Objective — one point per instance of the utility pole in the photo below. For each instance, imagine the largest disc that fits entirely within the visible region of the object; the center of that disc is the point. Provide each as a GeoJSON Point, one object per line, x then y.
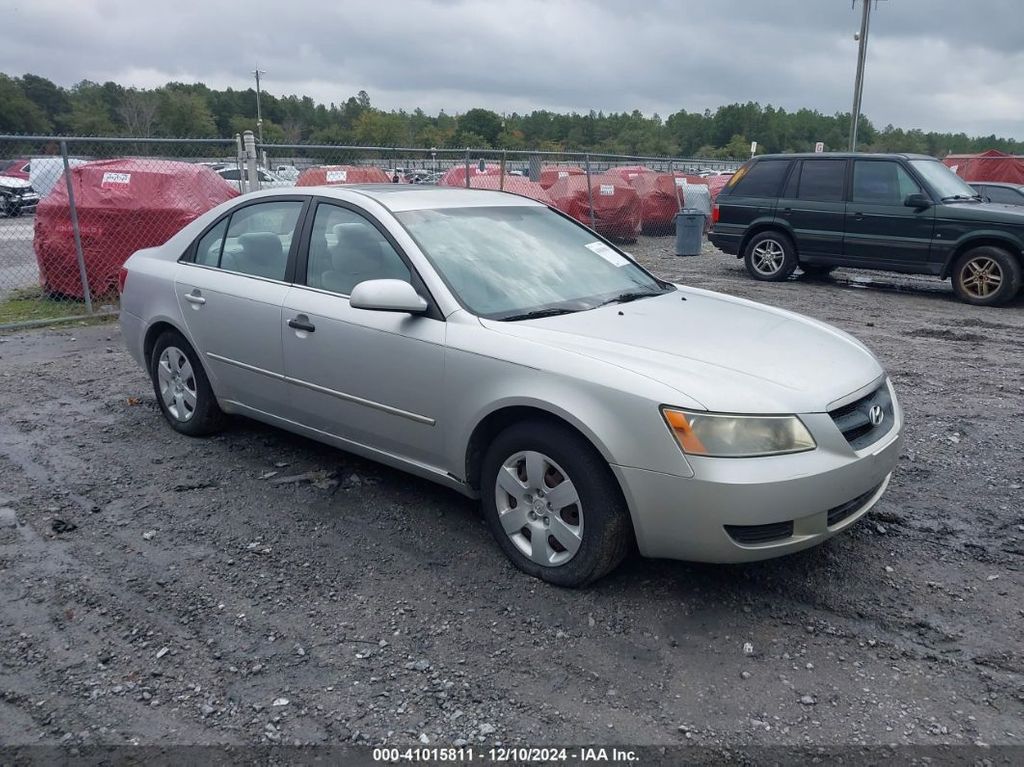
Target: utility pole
{"type": "Point", "coordinates": [858, 84]}
{"type": "Point", "coordinates": [259, 115]}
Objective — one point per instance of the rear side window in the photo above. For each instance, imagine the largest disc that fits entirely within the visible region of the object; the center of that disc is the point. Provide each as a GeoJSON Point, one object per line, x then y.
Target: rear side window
{"type": "Point", "coordinates": [823, 180]}
{"type": "Point", "coordinates": [762, 180]}
{"type": "Point", "coordinates": [259, 237]}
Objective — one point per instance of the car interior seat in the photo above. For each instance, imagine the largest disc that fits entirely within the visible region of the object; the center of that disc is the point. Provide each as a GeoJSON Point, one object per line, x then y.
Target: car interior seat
{"type": "Point", "coordinates": [261, 255]}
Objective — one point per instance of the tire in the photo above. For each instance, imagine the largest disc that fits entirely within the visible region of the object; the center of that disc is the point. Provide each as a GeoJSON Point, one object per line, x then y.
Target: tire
{"type": "Point", "coordinates": [182, 388]}
{"type": "Point", "coordinates": [986, 276]}
{"type": "Point", "coordinates": [817, 271]}
{"type": "Point", "coordinates": [770, 256]}
{"type": "Point", "coordinates": [593, 519]}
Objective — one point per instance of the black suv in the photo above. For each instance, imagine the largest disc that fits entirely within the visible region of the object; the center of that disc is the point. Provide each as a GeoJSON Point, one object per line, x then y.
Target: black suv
{"type": "Point", "coordinates": [898, 212]}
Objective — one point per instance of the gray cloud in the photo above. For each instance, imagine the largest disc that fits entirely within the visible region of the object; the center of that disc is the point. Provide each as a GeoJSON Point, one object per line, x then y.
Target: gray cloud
{"type": "Point", "coordinates": [934, 64]}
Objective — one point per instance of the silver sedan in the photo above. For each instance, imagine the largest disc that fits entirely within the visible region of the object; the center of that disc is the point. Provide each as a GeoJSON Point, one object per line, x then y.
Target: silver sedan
{"type": "Point", "coordinates": [495, 346]}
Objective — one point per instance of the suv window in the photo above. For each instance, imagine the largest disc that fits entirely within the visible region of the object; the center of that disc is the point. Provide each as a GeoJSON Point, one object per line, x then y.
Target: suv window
{"type": "Point", "coordinates": [1003, 195]}
{"type": "Point", "coordinates": [762, 180]}
{"type": "Point", "coordinates": [882, 182]}
{"type": "Point", "coordinates": [259, 237]}
{"type": "Point", "coordinates": [822, 180]}
{"type": "Point", "coordinates": [346, 249]}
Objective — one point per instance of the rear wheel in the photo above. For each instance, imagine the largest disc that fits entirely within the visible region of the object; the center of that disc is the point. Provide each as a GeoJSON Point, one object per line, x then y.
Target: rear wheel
{"type": "Point", "coordinates": [986, 276]}
{"type": "Point", "coordinates": [182, 388]}
{"type": "Point", "coordinates": [553, 504]}
{"type": "Point", "coordinates": [770, 256]}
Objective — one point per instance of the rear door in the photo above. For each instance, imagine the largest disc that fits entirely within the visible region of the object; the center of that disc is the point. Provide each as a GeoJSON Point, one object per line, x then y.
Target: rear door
{"type": "Point", "coordinates": [881, 231]}
{"type": "Point", "coordinates": [231, 288]}
{"type": "Point", "coordinates": [814, 207]}
{"type": "Point", "coordinates": [751, 196]}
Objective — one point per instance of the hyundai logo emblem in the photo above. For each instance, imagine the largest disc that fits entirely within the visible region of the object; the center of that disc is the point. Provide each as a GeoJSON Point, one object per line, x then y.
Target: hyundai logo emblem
{"type": "Point", "coordinates": [876, 415]}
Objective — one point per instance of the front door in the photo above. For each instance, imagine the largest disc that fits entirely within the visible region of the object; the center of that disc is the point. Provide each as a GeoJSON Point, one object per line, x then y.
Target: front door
{"type": "Point", "coordinates": [371, 377]}
{"type": "Point", "coordinates": [881, 231]}
{"type": "Point", "coordinates": [230, 292]}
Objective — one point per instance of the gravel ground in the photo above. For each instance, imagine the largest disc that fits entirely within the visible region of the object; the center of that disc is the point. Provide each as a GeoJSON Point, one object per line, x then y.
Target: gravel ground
{"type": "Point", "coordinates": [162, 590]}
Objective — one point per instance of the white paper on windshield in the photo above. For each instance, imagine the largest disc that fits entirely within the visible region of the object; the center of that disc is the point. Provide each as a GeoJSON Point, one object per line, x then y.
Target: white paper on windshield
{"type": "Point", "coordinates": [337, 175]}
{"type": "Point", "coordinates": [563, 174]}
{"type": "Point", "coordinates": [607, 189]}
{"type": "Point", "coordinates": [609, 255]}
{"type": "Point", "coordinates": [116, 178]}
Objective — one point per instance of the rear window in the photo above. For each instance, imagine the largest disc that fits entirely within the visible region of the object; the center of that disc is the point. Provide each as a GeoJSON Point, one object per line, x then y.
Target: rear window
{"type": "Point", "coordinates": [763, 179]}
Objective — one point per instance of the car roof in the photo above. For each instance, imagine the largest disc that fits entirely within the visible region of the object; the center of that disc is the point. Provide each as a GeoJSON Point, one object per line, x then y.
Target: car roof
{"type": "Point", "coordinates": [844, 156]}
{"type": "Point", "coordinates": [401, 197]}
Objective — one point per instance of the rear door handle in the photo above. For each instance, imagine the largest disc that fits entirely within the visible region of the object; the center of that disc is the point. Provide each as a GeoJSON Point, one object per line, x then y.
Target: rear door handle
{"type": "Point", "coordinates": [786, 211]}
{"type": "Point", "coordinates": [858, 216]}
{"type": "Point", "coordinates": [302, 323]}
{"type": "Point", "coordinates": [195, 297]}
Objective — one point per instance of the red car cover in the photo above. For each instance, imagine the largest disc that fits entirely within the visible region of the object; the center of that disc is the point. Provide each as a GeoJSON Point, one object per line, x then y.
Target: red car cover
{"type": "Point", "coordinates": [123, 206]}
{"type": "Point", "coordinates": [659, 200]}
{"type": "Point", "coordinates": [716, 184]}
{"type": "Point", "coordinates": [456, 175]}
{"type": "Point", "coordinates": [992, 165]}
{"type": "Point", "coordinates": [549, 174]}
{"type": "Point", "coordinates": [629, 172]}
{"type": "Point", "coordinates": [515, 184]}
{"type": "Point", "coordinates": [333, 175]}
{"type": "Point", "coordinates": [616, 204]}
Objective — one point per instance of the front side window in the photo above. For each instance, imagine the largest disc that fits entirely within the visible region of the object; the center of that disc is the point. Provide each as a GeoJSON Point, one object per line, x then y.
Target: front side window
{"type": "Point", "coordinates": [346, 249]}
{"type": "Point", "coordinates": [763, 179]}
{"type": "Point", "coordinates": [259, 237]}
{"type": "Point", "coordinates": [507, 261]}
{"type": "Point", "coordinates": [823, 180]}
{"type": "Point", "coordinates": [881, 182]}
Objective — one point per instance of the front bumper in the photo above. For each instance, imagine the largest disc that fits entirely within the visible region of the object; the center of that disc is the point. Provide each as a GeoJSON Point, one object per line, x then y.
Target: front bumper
{"type": "Point", "coordinates": [742, 510]}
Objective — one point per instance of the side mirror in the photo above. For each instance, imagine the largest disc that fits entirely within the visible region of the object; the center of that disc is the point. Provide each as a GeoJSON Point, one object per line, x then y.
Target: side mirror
{"type": "Point", "coordinates": [387, 296]}
{"type": "Point", "coordinates": [917, 200]}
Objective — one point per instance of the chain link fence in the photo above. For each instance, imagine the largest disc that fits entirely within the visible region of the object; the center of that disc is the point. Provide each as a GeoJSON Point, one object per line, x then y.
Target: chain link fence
{"type": "Point", "coordinates": [72, 210]}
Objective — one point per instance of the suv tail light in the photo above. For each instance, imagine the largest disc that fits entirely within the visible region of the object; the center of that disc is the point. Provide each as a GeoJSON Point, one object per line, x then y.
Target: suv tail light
{"type": "Point", "coordinates": [122, 277]}
{"type": "Point", "coordinates": [714, 213]}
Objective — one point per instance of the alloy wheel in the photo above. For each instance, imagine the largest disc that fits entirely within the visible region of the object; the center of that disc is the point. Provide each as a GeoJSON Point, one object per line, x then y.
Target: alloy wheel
{"type": "Point", "coordinates": [177, 383]}
{"type": "Point", "coordinates": [768, 257]}
{"type": "Point", "coordinates": [539, 508]}
{"type": "Point", "coordinates": [981, 277]}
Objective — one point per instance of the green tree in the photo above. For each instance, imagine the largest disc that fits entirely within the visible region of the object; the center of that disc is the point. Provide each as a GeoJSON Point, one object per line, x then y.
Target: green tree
{"type": "Point", "coordinates": [483, 123]}
{"type": "Point", "coordinates": [18, 113]}
{"type": "Point", "coordinates": [182, 114]}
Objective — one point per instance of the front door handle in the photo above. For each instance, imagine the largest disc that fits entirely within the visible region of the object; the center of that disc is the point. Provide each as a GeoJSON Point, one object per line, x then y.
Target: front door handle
{"type": "Point", "coordinates": [858, 216]}
{"type": "Point", "coordinates": [195, 297]}
{"type": "Point", "coordinates": [786, 211]}
{"type": "Point", "coordinates": [302, 323]}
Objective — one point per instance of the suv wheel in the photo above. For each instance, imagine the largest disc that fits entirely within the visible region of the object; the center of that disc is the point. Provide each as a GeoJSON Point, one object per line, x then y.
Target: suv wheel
{"type": "Point", "coordinates": [770, 256]}
{"type": "Point", "coordinates": [986, 276]}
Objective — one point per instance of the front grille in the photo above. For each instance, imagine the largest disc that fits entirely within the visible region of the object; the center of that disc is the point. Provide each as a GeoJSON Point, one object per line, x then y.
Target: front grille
{"type": "Point", "coordinates": [838, 513]}
{"type": "Point", "coordinates": [854, 420]}
{"type": "Point", "coordinates": [760, 533]}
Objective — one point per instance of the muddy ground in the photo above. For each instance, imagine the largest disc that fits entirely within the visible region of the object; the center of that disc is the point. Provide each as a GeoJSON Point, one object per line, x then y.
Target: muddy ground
{"type": "Point", "coordinates": [196, 601]}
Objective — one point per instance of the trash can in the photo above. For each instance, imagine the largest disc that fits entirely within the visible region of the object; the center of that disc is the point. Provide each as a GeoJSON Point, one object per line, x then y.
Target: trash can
{"type": "Point", "coordinates": [689, 232]}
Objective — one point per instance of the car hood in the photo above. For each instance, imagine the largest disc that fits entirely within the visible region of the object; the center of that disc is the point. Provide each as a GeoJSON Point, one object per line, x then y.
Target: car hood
{"type": "Point", "coordinates": [13, 182]}
{"type": "Point", "coordinates": [729, 354]}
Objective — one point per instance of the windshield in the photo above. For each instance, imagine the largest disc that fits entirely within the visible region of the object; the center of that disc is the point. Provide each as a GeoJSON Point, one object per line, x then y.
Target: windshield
{"type": "Point", "coordinates": [942, 180]}
{"type": "Point", "coordinates": [508, 261]}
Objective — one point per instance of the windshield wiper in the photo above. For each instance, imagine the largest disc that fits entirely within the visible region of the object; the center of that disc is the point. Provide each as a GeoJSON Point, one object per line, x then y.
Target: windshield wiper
{"type": "Point", "coordinates": [538, 313]}
{"type": "Point", "coordinates": [631, 295]}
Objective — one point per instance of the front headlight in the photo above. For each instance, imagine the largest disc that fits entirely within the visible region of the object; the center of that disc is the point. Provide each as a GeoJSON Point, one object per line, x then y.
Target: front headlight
{"type": "Point", "coordinates": [738, 436]}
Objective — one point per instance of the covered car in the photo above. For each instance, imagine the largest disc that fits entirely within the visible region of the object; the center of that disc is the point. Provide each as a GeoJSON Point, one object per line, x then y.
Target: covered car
{"type": "Point", "coordinates": [514, 184]}
{"type": "Point", "coordinates": [456, 175]}
{"type": "Point", "coordinates": [123, 206]}
{"type": "Point", "coordinates": [327, 175]}
{"type": "Point", "coordinates": [629, 172]}
{"type": "Point", "coordinates": [549, 174]}
{"type": "Point", "coordinates": [992, 165]}
{"type": "Point", "coordinates": [660, 200]}
{"type": "Point", "coordinates": [716, 184]}
{"type": "Point", "coordinates": [616, 204]}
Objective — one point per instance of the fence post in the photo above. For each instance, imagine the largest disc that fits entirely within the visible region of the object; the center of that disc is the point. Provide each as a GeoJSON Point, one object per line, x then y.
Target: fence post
{"type": "Point", "coordinates": [467, 167]}
{"type": "Point", "coordinates": [86, 293]}
{"type": "Point", "coordinates": [590, 194]}
{"type": "Point", "coordinates": [675, 183]}
{"type": "Point", "coordinates": [250, 158]}
{"type": "Point", "coordinates": [501, 181]}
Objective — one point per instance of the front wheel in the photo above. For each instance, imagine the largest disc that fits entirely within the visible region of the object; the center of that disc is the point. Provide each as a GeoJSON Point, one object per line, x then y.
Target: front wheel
{"type": "Point", "coordinates": [553, 504]}
{"type": "Point", "coordinates": [986, 276]}
{"type": "Point", "coordinates": [182, 388]}
{"type": "Point", "coordinates": [770, 256]}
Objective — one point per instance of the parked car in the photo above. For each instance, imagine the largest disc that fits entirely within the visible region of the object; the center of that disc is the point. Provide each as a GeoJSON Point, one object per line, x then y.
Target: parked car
{"type": "Point", "coordinates": [998, 192]}
{"type": "Point", "coordinates": [287, 172]}
{"type": "Point", "coordinates": [268, 180]}
{"type": "Point", "coordinates": [495, 346]}
{"type": "Point", "coordinates": [897, 212]}
{"type": "Point", "coordinates": [16, 196]}
{"type": "Point", "coordinates": [17, 168]}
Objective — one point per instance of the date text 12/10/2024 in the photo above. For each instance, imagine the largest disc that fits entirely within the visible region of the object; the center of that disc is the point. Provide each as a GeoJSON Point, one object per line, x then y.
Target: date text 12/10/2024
{"type": "Point", "coordinates": [395, 755]}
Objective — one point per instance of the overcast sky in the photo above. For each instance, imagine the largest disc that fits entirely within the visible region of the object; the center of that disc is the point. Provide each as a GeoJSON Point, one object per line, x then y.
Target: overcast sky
{"type": "Point", "coordinates": [946, 65]}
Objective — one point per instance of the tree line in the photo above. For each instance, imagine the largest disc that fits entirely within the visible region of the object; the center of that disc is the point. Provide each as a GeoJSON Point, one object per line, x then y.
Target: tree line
{"type": "Point", "coordinates": [31, 104]}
